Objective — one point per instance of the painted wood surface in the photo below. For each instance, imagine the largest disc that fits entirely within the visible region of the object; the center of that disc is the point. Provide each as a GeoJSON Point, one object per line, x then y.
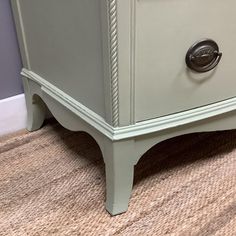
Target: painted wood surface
{"type": "Point", "coordinates": [63, 43]}
{"type": "Point", "coordinates": [164, 32]}
{"type": "Point", "coordinates": [124, 128]}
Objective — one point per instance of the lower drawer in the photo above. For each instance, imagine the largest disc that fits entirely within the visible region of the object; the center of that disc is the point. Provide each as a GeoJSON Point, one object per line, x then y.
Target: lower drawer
{"type": "Point", "coordinates": [165, 30]}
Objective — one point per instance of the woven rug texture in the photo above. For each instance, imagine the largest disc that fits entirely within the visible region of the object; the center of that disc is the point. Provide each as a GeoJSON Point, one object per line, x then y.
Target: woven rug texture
{"type": "Point", "coordinates": [52, 182]}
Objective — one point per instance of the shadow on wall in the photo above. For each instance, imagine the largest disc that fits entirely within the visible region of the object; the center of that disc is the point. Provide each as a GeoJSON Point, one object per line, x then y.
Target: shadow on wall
{"type": "Point", "coordinates": [10, 61]}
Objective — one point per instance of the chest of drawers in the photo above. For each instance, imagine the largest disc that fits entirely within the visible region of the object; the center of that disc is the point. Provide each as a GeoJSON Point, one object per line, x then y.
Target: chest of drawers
{"type": "Point", "coordinates": [131, 73]}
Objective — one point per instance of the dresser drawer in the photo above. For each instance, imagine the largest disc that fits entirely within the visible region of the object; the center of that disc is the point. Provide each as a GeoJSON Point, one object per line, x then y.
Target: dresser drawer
{"type": "Point", "coordinates": [164, 31]}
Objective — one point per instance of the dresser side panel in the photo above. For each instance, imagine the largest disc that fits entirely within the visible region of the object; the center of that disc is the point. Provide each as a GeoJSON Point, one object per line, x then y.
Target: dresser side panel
{"type": "Point", "coordinates": [64, 42]}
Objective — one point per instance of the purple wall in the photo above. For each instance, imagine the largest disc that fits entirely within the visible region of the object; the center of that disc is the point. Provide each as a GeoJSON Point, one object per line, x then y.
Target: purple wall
{"type": "Point", "coordinates": [10, 62]}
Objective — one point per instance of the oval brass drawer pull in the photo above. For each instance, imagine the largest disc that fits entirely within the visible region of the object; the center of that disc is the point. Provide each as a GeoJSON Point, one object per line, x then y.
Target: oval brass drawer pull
{"type": "Point", "coordinates": [203, 56]}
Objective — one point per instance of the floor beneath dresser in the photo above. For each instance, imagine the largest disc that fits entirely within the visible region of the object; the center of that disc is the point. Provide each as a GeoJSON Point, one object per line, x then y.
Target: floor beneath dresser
{"type": "Point", "coordinates": [52, 183]}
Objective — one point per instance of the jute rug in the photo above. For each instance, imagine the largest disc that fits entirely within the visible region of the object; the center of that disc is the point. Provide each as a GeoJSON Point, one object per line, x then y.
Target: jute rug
{"type": "Point", "coordinates": [52, 183]}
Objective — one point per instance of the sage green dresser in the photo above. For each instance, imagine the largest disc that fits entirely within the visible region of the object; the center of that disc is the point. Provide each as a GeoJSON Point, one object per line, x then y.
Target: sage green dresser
{"type": "Point", "coordinates": [131, 73]}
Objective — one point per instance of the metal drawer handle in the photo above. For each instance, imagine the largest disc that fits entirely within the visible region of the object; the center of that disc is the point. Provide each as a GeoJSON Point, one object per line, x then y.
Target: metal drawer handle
{"type": "Point", "coordinates": [203, 56]}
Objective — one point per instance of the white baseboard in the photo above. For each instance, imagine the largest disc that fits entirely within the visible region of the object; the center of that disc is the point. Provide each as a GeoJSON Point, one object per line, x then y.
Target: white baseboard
{"type": "Point", "coordinates": [12, 114]}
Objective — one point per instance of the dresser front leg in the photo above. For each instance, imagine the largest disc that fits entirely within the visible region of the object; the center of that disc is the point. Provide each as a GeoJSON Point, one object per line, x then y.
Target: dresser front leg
{"type": "Point", "coordinates": [119, 161]}
{"type": "Point", "coordinates": [36, 109]}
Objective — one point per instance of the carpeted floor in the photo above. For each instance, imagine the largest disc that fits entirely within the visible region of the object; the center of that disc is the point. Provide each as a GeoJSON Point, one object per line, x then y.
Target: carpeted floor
{"type": "Point", "coordinates": [52, 183]}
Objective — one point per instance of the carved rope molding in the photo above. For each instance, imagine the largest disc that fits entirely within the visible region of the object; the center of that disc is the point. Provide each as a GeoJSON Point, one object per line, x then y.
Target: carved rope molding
{"type": "Point", "coordinates": [112, 4]}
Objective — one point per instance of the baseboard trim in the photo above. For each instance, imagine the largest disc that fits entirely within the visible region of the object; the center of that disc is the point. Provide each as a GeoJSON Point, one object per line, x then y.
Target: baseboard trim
{"type": "Point", "coordinates": [13, 114]}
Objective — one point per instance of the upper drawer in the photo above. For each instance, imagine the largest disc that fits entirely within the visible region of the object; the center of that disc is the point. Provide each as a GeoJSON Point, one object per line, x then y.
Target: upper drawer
{"type": "Point", "coordinates": [165, 30]}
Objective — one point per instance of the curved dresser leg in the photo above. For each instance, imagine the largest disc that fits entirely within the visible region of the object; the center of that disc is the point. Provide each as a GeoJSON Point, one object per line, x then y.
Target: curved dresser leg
{"type": "Point", "coordinates": [36, 109]}
{"type": "Point", "coordinates": [119, 162]}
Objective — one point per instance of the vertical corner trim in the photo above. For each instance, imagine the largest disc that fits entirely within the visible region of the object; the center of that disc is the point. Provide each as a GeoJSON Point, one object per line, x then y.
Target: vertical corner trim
{"type": "Point", "coordinates": [17, 13]}
{"type": "Point", "coordinates": [132, 59]}
{"type": "Point", "coordinates": [113, 35]}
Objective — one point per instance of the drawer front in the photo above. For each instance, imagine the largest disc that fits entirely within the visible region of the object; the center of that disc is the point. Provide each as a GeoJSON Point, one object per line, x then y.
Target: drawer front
{"type": "Point", "coordinates": [164, 31]}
